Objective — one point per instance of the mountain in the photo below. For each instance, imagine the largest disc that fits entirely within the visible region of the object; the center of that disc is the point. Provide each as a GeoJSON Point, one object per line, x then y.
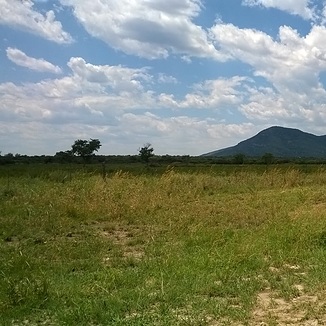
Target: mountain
{"type": "Point", "coordinates": [281, 142]}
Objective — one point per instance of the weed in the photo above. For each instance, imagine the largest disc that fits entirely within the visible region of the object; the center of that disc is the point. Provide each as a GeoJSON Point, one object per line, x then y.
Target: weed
{"type": "Point", "coordinates": [27, 290]}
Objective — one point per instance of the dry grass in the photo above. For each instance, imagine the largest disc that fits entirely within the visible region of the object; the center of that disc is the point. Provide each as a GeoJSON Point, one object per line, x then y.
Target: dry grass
{"type": "Point", "coordinates": [243, 248]}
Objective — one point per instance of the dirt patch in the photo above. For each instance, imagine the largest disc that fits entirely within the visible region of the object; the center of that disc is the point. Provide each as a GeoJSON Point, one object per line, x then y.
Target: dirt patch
{"type": "Point", "coordinates": [271, 309]}
{"type": "Point", "coordinates": [129, 239]}
{"type": "Point", "coordinates": [11, 240]}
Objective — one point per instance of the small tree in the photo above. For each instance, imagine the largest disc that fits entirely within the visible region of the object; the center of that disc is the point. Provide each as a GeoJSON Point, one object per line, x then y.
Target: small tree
{"type": "Point", "coordinates": [146, 152]}
{"type": "Point", "coordinates": [85, 148]}
{"type": "Point", "coordinates": [239, 158]}
{"type": "Point", "coordinates": [267, 158]}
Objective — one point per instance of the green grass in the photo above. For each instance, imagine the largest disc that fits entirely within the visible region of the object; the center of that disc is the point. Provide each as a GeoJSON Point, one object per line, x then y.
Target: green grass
{"type": "Point", "coordinates": [172, 248]}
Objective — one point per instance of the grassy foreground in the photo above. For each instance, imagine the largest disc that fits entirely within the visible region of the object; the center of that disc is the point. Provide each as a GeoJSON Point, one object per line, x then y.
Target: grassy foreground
{"type": "Point", "coordinates": [205, 248]}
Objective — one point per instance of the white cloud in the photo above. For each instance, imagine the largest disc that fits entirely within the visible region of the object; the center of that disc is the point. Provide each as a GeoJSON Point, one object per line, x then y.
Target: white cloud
{"type": "Point", "coordinates": [126, 107]}
{"type": "Point", "coordinates": [21, 15]}
{"type": "Point", "coordinates": [215, 93]}
{"type": "Point", "coordinates": [108, 102]}
{"type": "Point", "coordinates": [266, 105]}
{"type": "Point", "coordinates": [166, 79]}
{"type": "Point", "coordinates": [146, 28]}
{"type": "Point", "coordinates": [94, 91]}
{"type": "Point", "coordinates": [175, 135]}
{"type": "Point", "coordinates": [118, 78]}
{"type": "Point", "coordinates": [21, 59]}
{"type": "Point", "coordinates": [292, 62]}
{"type": "Point", "coordinates": [295, 7]}
{"type": "Point", "coordinates": [187, 134]}
{"type": "Point", "coordinates": [219, 94]}
{"type": "Point", "coordinates": [90, 94]}
{"type": "Point", "coordinates": [102, 93]}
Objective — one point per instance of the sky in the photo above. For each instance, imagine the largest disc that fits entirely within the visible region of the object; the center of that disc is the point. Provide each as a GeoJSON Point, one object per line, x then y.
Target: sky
{"type": "Point", "coordinates": [187, 76]}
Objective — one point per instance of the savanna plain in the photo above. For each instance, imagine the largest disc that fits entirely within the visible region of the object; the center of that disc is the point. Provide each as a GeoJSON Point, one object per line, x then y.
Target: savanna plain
{"type": "Point", "coordinates": [216, 245]}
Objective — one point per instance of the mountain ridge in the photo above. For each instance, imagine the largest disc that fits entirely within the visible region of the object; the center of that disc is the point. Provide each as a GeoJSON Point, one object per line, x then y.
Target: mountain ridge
{"type": "Point", "coordinates": [279, 141]}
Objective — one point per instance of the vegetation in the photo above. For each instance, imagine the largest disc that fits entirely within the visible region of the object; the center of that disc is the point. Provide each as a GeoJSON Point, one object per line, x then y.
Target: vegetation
{"type": "Point", "coordinates": [219, 245]}
{"type": "Point", "coordinates": [162, 160]}
{"type": "Point", "coordinates": [85, 148]}
{"type": "Point", "coordinates": [268, 158]}
{"type": "Point", "coordinates": [239, 158]}
{"type": "Point", "coordinates": [146, 152]}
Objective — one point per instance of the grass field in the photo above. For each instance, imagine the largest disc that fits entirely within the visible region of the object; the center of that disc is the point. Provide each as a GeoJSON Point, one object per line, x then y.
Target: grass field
{"type": "Point", "coordinates": [213, 246]}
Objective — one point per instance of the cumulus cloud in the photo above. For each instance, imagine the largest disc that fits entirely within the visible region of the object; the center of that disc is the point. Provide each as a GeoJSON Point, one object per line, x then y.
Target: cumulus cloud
{"type": "Point", "coordinates": [292, 62]}
{"type": "Point", "coordinates": [21, 59]}
{"type": "Point", "coordinates": [90, 94]}
{"type": "Point", "coordinates": [265, 104]}
{"type": "Point", "coordinates": [22, 15]}
{"type": "Point", "coordinates": [166, 79]}
{"type": "Point", "coordinates": [118, 78]}
{"type": "Point", "coordinates": [101, 93]}
{"type": "Point", "coordinates": [188, 134]}
{"type": "Point", "coordinates": [210, 94]}
{"type": "Point", "coordinates": [108, 102]}
{"type": "Point", "coordinates": [147, 28]}
{"type": "Point", "coordinates": [117, 103]}
{"type": "Point", "coordinates": [295, 7]}
{"type": "Point", "coordinates": [216, 93]}
{"type": "Point", "coordinates": [98, 91]}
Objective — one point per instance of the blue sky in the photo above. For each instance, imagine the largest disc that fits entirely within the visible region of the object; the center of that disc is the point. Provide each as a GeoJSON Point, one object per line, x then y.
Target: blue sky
{"type": "Point", "coordinates": [187, 76]}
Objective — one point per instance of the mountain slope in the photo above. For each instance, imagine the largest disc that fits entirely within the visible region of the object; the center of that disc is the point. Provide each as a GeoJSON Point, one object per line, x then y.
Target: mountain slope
{"type": "Point", "coordinates": [281, 142]}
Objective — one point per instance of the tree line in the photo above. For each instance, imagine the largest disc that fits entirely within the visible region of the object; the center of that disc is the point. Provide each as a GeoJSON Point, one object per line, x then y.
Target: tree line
{"type": "Point", "coordinates": [85, 152]}
{"type": "Point", "coordinates": [81, 150]}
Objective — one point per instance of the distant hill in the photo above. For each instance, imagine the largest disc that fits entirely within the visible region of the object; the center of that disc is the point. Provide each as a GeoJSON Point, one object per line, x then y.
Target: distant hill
{"type": "Point", "coordinates": [281, 142]}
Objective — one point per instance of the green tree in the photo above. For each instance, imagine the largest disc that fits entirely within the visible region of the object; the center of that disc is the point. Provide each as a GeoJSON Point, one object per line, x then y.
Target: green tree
{"type": "Point", "coordinates": [267, 158]}
{"type": "Point", "coordinates": [66, 156]}
{"type": "Point", "coordinates": [146, 152]}
{"type": "Point", "coordinates": [8, 158]}
{"type": "Point", "coordinates": [239, 158]}
{"type": "Point", "coordinates": [85, 148]}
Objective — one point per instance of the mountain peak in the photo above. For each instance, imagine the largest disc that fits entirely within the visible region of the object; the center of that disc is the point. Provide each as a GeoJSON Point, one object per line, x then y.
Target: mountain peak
{"type": "Point", "coordinates": [281, 142]}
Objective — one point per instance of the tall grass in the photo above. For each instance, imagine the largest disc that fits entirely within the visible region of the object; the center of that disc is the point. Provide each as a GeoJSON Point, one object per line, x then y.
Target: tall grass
{"type": "Point", "coordinates": [171, 248]}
